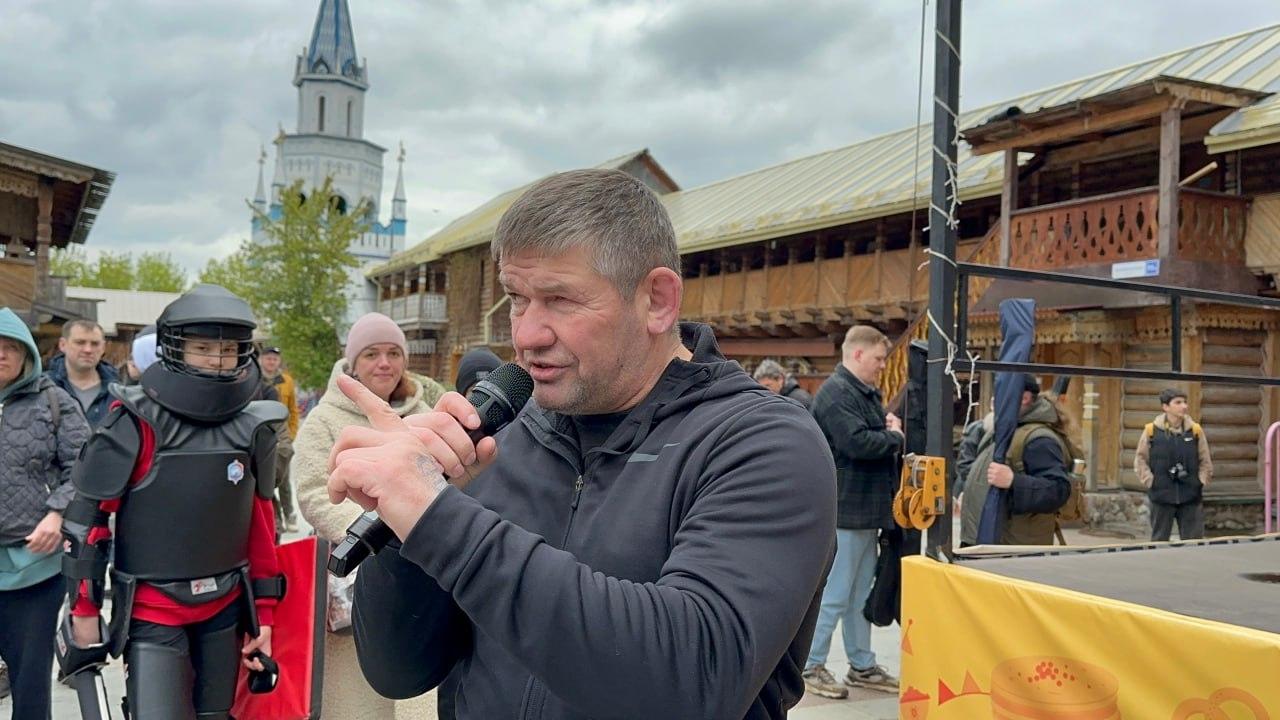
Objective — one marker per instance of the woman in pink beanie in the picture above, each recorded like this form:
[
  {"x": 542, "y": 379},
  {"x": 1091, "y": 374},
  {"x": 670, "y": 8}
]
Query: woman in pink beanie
[{"x": 376, "y": 355}]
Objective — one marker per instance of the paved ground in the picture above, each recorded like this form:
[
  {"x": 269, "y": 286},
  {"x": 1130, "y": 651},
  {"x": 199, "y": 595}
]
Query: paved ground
[{"x": 862, "y": 704}]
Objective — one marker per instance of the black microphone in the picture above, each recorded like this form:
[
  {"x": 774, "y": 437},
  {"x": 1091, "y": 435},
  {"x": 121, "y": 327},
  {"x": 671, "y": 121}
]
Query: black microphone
[{"x": 497, "y": 399}]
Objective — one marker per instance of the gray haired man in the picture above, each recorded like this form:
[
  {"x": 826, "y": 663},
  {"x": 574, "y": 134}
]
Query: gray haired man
[
  {"x": 770, "y": 374},
  {"x": 648, "y": 537}
]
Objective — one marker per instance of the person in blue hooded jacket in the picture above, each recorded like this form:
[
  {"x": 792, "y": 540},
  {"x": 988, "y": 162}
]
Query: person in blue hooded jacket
[
  {"x": 41, "y": 431},
  {"x": 78, "y": 368}
]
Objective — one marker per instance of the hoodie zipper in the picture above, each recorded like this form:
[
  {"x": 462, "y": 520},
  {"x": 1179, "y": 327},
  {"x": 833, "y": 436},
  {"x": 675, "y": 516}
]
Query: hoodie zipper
[{"x": 573, "y": 510}]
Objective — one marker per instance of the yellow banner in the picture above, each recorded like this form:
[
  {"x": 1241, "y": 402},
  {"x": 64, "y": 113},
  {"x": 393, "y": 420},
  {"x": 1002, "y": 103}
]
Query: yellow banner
[{"x": 977, "y": 645}]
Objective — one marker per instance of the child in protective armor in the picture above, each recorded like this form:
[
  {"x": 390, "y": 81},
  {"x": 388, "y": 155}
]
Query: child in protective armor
[{"x": 186, "y": 462}]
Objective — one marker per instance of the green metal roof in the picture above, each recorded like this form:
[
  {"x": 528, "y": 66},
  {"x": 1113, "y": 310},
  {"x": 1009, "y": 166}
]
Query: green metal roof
[{"x": 874, "y": 178}]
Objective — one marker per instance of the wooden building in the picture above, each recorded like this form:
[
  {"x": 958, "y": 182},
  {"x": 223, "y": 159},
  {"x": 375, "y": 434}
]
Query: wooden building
[
  {"x": 1175, "y": 159},
  {"x": 45, "y": 202}
]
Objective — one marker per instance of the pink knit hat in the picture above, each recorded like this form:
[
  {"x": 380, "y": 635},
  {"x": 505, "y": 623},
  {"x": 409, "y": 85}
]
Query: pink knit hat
[{"x": 372, "y": 329}]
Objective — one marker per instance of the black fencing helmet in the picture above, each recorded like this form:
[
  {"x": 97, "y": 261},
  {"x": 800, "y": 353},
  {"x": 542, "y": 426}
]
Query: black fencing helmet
[{"x": 206, "y": 312}]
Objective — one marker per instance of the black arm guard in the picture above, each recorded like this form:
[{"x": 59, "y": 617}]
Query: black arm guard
[
  {"x": 264, "y": 460},
  {"x": 83, "y": 561},
  {"x": 71, "y": 657}
]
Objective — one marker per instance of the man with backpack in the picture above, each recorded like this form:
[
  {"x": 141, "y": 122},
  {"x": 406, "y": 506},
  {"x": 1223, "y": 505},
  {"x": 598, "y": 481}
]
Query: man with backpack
[
  {"x": 1173, "y": 463},
  {"x": 1037, "y": 474}
]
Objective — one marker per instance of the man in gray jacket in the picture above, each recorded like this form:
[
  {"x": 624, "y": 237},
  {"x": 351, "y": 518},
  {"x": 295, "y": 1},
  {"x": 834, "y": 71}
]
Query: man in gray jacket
[{"x": 647, "y": 539}]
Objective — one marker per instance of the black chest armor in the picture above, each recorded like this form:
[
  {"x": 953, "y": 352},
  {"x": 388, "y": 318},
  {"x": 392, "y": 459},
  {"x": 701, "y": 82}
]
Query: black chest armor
[{"x": 190, "y": 516}]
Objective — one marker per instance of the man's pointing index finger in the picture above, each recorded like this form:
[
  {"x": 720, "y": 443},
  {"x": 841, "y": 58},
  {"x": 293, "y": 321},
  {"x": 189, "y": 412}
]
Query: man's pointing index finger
[{"x": 380, "y": 414}]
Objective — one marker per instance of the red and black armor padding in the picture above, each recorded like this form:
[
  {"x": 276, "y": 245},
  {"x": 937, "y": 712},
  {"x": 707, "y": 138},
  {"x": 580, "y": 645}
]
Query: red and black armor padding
[{"x": 297, "y": 639}]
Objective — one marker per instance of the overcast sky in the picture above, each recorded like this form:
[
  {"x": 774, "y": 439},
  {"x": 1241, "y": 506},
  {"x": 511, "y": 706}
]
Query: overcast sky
[{"x": 176, "y": 96}]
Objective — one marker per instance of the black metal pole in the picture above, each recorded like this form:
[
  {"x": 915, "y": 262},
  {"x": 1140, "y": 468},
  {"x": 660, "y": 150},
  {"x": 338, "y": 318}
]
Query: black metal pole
[{"x": 942, "y": 243}]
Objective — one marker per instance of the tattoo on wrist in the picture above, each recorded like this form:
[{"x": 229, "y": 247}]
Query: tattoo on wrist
[{"x": 431, "y": 472}]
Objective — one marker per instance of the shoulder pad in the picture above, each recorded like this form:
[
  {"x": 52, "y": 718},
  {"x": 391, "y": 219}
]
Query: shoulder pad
[
  {"x": 266, "y": 411},
  {"x": 108, "y": 457},
  {"x": 1150, "y": 429},
  {"x": 130, "y": 395},
  {"x": 1195, "y": 428}
]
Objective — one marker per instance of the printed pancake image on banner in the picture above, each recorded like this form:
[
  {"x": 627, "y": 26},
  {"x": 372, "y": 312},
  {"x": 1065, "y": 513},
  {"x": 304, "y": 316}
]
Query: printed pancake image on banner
[{"x": 1069, "y": 635}]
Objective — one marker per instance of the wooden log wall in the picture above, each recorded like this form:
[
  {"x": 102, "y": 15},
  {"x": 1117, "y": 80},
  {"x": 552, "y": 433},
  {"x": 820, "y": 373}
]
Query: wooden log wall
[{"x": 1232, "y": 415}]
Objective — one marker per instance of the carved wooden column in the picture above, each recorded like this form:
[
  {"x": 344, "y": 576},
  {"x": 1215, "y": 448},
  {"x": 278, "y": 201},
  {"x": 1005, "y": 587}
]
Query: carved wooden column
[
  {"x": 44, "y": 235},
  {"x": 1008, "y": 202},
  {"x": 1170, "y": 148}
]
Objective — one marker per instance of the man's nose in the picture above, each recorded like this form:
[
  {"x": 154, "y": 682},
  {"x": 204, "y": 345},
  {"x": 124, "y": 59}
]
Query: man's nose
[{"x": 530, "y": 330}]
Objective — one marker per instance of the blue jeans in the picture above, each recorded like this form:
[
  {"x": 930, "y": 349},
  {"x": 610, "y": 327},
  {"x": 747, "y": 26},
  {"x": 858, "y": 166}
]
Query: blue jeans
[{"x": 848, "y": 585}]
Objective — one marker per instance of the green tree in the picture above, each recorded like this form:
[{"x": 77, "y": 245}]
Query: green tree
[
  {"x": 114, "y": 270},
  {"x": 231, "y": 272},
  {"x": 159, "y": 272},
  {"x": 118, "y": 270},
  {"x": 297, "y": 279},
  {"x": 71, "y": 262}
]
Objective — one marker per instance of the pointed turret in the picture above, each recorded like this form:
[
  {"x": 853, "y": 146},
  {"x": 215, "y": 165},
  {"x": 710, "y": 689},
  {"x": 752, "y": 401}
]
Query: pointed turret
[
  {"x": 333, "y": 45},
  {"x": 398, "y": 200},
  {"x": 260, "y": 195}
]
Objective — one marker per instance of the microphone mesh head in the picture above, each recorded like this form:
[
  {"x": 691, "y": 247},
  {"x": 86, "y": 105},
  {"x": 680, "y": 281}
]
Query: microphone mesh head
[
  {"x": 515, "y": 382},
  {"x": 500, "y": 396}
]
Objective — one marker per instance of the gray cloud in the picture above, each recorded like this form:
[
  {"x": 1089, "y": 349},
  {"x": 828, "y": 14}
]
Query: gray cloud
[{"x": 176, "y": 97}]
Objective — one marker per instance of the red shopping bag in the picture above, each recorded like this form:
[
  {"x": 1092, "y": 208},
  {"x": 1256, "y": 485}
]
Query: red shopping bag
[{"x": 296, "y": 640}]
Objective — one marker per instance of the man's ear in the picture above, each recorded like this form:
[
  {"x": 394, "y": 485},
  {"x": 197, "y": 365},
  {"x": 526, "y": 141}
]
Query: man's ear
[
  {"x": 62, "y": 345},
  {"x": 660, "y": 293}
]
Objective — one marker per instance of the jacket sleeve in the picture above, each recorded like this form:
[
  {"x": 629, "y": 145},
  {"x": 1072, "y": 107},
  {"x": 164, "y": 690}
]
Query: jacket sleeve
[
  {"x": 409, "y": 632},
  {"x": 72, "y": 434},
  {"x": 967, "y": 453},
  {"x": 746, "y": 560},
  {"x": 1205, "y": 461},
  {"x": 289, "y": 396},
  {"x": 1142, "y": 460},
  {"x": 309, "y": 471},
  {"x": 1044, "y": 484},
  {"x": 852, "y": 437}
]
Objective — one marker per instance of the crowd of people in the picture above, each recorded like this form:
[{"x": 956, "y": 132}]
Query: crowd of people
[{"x": 657, "y": 530}]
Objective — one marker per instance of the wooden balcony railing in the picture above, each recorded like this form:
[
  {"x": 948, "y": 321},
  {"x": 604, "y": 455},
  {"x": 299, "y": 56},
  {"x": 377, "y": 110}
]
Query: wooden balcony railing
[
  {"x": 418, "y": 308},
  {"x": 1123, "y": 226},
  {"x": 1211, "y": 226},
  {"x": 1110, "y": 228},
  {"x": 885, "y": 279}
]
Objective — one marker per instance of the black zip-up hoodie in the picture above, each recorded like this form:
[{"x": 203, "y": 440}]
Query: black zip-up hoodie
[{"x": 676, "y": 573}]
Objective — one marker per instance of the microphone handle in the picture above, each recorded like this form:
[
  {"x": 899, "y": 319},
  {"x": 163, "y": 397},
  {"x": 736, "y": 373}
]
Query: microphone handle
[{"x": 368, "y": 534}]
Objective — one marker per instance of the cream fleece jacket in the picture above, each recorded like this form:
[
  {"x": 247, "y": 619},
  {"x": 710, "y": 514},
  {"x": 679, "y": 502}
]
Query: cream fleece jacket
[
  {"x": 347, "y": 694},
  {"x": 309, "y": 468}
]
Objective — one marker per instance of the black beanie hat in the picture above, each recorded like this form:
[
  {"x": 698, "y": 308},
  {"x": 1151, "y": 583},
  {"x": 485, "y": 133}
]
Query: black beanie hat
[{"x": 474, "y": 366}]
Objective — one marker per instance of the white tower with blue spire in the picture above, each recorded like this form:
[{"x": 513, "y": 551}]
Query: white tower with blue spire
[{"x": 329, "y": 142}]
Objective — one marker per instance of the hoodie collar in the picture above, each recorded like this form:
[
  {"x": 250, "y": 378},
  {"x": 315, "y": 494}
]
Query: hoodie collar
[
  {"x": 684, "y": 383},
  {"x": 58, "y": 370}
]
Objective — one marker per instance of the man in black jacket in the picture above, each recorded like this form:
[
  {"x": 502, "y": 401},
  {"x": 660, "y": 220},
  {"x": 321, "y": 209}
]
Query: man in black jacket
[
  {"x": 648, "y": 537},
  {"x": 866, "y": 443},
  {"x": 771, "y": 374}
]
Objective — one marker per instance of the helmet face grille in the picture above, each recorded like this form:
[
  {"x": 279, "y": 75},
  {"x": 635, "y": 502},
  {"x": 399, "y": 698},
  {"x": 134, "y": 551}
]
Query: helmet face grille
[{"x": 174, "y": 355}]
